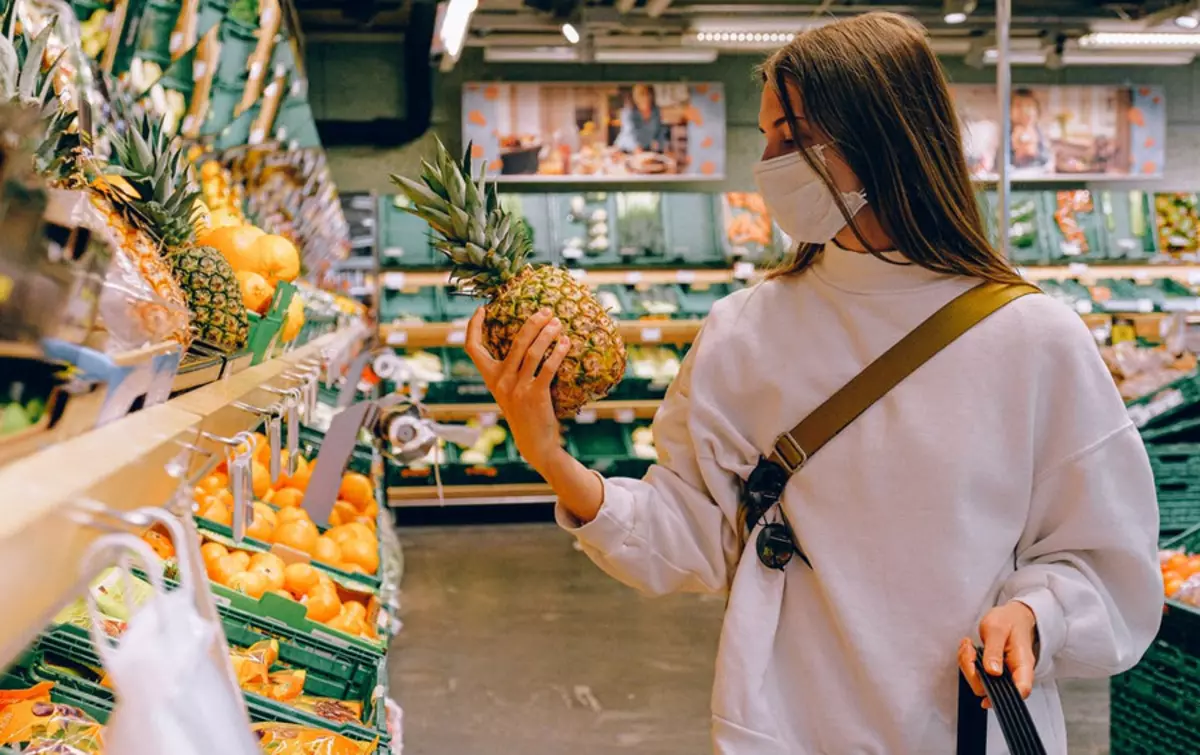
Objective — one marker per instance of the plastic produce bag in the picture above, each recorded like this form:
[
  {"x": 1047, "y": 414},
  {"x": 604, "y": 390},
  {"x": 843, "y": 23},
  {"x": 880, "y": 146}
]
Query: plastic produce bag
[
  {"x": 170, "y": 670},
  {"x": 133, "y": 313}
]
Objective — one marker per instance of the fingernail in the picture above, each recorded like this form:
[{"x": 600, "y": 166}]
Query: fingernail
[
  {"x": 556, "y": 322},
  {"x": 545, "y": 312},
  {"x": 564, "y": 341},
  {"x": 994, "y": 667}
]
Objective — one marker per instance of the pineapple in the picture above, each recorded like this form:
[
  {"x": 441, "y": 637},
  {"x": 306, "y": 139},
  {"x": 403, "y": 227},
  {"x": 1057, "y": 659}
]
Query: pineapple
[
  {"x": 487, "y": 248},
  {"x": 152, "y": 199}
]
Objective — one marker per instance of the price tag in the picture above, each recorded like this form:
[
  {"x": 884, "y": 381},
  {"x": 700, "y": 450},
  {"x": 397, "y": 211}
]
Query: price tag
[
  {"x": 586, "y": 417},
  {"x": 297, "y": 87},
  {"x": 651, "y": 335},
  {"x": 1193, "y": 276},
  {"x": 1077, "y": 269},
  {"x": 394, "y": 281},
  {"x": 1083, "y": 307},
  {"x": 176, "y": 41},
  {"x": 487, "y": 419},
  {"x": 743, "y": 270},
  {"x": 456, "y": 337},
  {"x": 281, "y": 134},
  {"x": 685, "y": 276},
  {"x": 257, "y": 136},
  {"x": 393, "y": 252},
  {"x": 1141, "y": 276},
  {"x": 189, "y": 122},
  {"x": 572, "y": 253},
  {"x": 633, "y": 277},
  {"x": 256, "y": 69},
  {"x": 578, "y": 273},
  {"x": 1145, "y": 306},
  {"x": 397, "y": 337},
  {"x": 199, "y": 68},
  {"x": 624, "y": 416}
]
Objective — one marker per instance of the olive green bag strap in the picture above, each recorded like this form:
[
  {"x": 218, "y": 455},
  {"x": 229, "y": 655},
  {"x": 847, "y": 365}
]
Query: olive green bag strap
[{"x": 793, "y": 449}]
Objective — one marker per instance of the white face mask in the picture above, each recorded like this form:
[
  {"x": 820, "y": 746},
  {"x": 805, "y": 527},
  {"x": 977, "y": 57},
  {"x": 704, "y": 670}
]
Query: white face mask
[{"x": 799, "y": 201}]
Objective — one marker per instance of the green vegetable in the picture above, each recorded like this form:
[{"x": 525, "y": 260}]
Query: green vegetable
[{"x": 14, "y": 419}]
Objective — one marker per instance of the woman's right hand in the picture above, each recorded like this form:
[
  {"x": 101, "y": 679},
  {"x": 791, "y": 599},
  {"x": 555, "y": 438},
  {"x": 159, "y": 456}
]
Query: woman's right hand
[{"x": 521, "y": 390}]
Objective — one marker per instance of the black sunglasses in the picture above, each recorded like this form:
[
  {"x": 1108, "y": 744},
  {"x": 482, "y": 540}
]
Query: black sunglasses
[{"x": 775, "y": 544}]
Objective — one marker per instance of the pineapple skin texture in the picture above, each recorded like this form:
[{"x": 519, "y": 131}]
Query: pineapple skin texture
[
  {"x": 214, "y": 297},
  {"x": 596, "y": 361}
]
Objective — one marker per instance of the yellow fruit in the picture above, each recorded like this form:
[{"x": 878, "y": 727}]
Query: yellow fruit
[
  {"x": 289, "y": 499},
  {"x": 213, "y": 483},
  {"x": 356, "y": 489},
  {"x": 343, "y": 513},
  {"x": 299, "y": 481},
  {"x": 283, "y": 594},
  {"x": 217, "y": 512},
  {"x": 210, "y": 170},
  {"x": 256, "y": 292},
  {"x": 159, "y": 543},
  {"x": 266, "y": 512},
  {"x": 293, "y": 320},
  {"x": 260, "y": 529},
  {"x": 327, "y": 551},
  {"x": 236, "y": 244},
  {"x": 270, "y": 567},
  {"x": 361, "y": 553},
  {"x": 250, "y": 583},
  {"x": 293, "y": 515},
  {"x": 322, "y": 606},
  {"x": 300, "y": 535},
  {"x": 116, "y": 184},
  {"x": 268, "y": 559},
  {"x": 210, "y": 552},
  {"x": 300, "y": 579},
  {"x": 242, "y": 559},
  {"x": 278, "y": 259},
  {"x": 260, "y": 479},
  {"x": 351, "y": 531}
]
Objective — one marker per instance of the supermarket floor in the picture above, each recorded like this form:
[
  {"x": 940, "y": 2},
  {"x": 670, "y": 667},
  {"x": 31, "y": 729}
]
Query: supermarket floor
[{"x": 514, "y": 643}]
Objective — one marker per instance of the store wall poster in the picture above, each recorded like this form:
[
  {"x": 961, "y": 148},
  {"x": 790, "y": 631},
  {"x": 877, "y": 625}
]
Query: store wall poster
[
  {"x": 644, "y": 131},
  {"x": 1066, "y": 132}
]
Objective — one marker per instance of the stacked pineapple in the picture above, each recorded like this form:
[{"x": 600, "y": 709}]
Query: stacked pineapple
[
  {"x": 149, "y": 199},
  {"x": 487, "y": 248}
]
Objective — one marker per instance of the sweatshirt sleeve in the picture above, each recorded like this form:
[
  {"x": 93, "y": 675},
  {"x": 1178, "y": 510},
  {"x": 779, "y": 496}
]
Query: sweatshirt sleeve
[
  {"x": 671, "y": 531},
  {"x": 1087, "y": 564}
]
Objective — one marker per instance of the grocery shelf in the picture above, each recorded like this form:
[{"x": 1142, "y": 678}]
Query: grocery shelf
[
  {"x": 1086, "y": 272},
  {"x": 622, "y": 411},
  {"x": 430, "y": 334},
  {"x": 472, "y": 495},
  {"x": 407, "y": 280},
  {"x": 139, "y": 460}
]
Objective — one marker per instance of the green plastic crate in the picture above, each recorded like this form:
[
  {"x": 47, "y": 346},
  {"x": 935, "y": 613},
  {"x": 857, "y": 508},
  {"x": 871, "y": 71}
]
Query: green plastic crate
[
  {"x": 237, "y": 45},
  {"x": 697, "y": 301},
  {"x": 404, "y": 239},
  {"x": 404, "y": 305},
  {"x": 454, "y": 307},
  {"x": 691, "y": 230},
  {"x": 1174, "y": 460},
  {"x": 67, "y": 693},
  {"x": 1167, "y": 405}
]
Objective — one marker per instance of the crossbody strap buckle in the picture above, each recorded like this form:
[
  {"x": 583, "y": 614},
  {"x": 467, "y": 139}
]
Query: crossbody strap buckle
[{"x": 789, "y": 454}]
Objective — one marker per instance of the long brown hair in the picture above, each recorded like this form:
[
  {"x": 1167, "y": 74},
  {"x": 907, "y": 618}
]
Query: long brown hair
[{"x": 875, "y": 86}]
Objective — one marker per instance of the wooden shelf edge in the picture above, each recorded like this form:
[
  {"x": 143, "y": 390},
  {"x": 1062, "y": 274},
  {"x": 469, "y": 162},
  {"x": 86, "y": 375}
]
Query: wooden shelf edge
[
  {"x": 1083, "y": 271},
  {"x": 471, "y": 495},
  {"x": 433, "y": 334},
  {"x": 639, "y": 409},
  {"x": 402, "y": 280}
]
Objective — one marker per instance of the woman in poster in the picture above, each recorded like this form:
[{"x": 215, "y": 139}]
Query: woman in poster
[
  {"x": 642, "y": 127},
  {"x": 1030, "y": 148}
]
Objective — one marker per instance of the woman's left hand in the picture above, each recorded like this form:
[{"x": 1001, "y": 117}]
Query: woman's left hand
[{"x": 1008, "y": 633}]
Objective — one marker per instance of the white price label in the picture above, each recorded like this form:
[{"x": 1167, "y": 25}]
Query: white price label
[
  {"x": 685, "y": 276},
  {"x": 578, "y": 274},
  {"x": 1083, "y": 307},
  {"x": 281, "y": 134},
  {"x": 1193, "y": 276},
  {"x": 199, "y": 68},
  {"x": 624, "y": 416},
  {"x": 256, "y": 69},
  {"x": 1077, "y": 268},
  {"x": 393, "y": 251},
  {"x": 586, "y": 417},
  {"x": 1141, "y": 276},
  {"x": 1145, "y": 306},
  {"x": 633, "y": 277},
  {"x": 176, "y": 41},
  {"x": 572, "y": 253},
  {"x": 456, "y": 337},
  {"x": 397, "y": 337},
  {"x": 487, "y": 419},
  {"x": 257, "y": 136},
  {"x": 394, "y": 281},
  {"x": 743, "y": 270},
  {"x": 651, "y": 335}
]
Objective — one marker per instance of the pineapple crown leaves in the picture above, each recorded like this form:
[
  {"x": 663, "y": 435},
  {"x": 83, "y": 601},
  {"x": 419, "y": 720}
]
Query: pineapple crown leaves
[
  {"x": 21, "y": 74},
  {"x": 159, "y": 173},
  {"x": 485, "y": 243}
]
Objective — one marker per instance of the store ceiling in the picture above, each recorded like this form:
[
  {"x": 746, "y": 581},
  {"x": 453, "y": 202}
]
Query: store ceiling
[{"x": 676, "y": 30}]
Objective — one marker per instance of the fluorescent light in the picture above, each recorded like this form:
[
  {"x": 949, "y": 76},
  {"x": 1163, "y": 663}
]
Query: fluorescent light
[
  {"x": 1095, "y": 58},
  {"x": 955, "y": 18},
  {"x": 1146, "y": 40},
  {"x": 571, "y": 33},
  {"x": 530, "y": 55},
  {"x": 455, "y": 25},
  {"x": 956, "y": 11},
  {"x": 665, "y": 55}
]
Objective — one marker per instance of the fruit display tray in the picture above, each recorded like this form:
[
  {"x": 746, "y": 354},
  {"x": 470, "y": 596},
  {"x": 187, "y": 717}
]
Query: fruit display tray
[{"x": 1154, "y": 708}]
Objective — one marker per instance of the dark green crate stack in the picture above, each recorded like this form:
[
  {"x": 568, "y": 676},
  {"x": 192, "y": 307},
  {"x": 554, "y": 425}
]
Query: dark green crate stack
[
  {"x": 1154, "y": 706},
  {"x": 1169, "y": 420}
]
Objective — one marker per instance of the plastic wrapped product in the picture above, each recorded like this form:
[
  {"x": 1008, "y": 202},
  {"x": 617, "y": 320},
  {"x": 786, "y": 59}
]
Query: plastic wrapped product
[{"x": 291, "y": 739}]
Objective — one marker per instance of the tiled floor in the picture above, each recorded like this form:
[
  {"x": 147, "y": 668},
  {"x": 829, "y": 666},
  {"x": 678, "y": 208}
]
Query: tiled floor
[{"x": 514, "y": 644}]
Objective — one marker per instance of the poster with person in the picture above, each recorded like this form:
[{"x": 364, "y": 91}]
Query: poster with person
[
  {"x": 603, "y": 132},
  {"x": 1066, "y": 132}
]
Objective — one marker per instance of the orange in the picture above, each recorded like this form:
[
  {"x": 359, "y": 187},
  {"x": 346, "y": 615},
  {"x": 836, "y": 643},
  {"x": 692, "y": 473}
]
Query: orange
[
  {"x": 1172, "y": 586},
  {"x": 293, "y": 515},
  {"x": 293, "y": 319},
  {"x": 286, "y": 498},
  {"x": 266, "y": 512},
  {"x": 284, "y": 594},
  {"x": 298, "y": 480},
  {"x": 260, "y": 479},
  {"x": 219, "y": 513},
  {"x": 277, "y": 258},
  {"x": 160, "y": 543},
  {"x": 267, "y": 559},
  {"x": 322, "y": 606},
  {"x": 366, "y": 521},
  {"x": 242, "y": 559},
  {"x": 351, "y": 531},
  {"x": 272, "y": 574},
  {"x": 361, "y": 553},
  {"x": 327, "y": 551},
  {"x": 260, "y": 529},
  {"x": 262, "y": 449},
  {"x": 223, "y": 569},
  {"x": 371, "y": 510},
  {"x": 256, "y": 292},
  {"x": 342, "y": 623},
  {"x": 250, "y": 583},
  {"x": 236, "y": 244},
  {"x": 354, "y": 610},
  {"x": 214, "y": 482},
  {"x": 210, "y": 552},
  {"x": 300, "y": 535},
  {"x": 356, "y": 489},
  {"x": 225, "y": 496},
  {"x": 343, "y": 512},
  {"x": 300, "y": 579}
]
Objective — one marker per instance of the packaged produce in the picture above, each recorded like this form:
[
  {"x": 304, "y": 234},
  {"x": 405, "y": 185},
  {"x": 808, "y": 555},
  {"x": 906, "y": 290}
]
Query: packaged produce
[
  {"x": 292, "y": 739},
  {"x": 29, "y": 717},
  {"x": 252, "y": 665},
  {"x": 1178, "y": 218},
  {"x": 1141, "y": 371},
  {"x": 1181, "y": 575}
]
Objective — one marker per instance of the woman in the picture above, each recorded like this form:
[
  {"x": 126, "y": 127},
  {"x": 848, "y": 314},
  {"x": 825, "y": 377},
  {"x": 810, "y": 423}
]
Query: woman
[
  {"x": 642, "y": 127},
  {"x": 999, "y": 493}
]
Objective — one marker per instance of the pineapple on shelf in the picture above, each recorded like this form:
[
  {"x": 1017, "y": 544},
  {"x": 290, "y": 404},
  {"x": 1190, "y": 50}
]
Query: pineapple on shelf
[
  {"x": 487, "y": 248},
  {"x": 152, "y": 199}
]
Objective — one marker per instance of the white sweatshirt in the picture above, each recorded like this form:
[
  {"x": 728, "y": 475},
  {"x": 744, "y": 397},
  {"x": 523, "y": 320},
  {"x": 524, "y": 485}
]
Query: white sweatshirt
[{"x": 1005, "y": 468}]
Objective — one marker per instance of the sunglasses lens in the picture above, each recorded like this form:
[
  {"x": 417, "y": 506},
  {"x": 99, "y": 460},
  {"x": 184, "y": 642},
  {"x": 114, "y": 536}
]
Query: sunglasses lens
[{"x": 775, "y": 546}]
